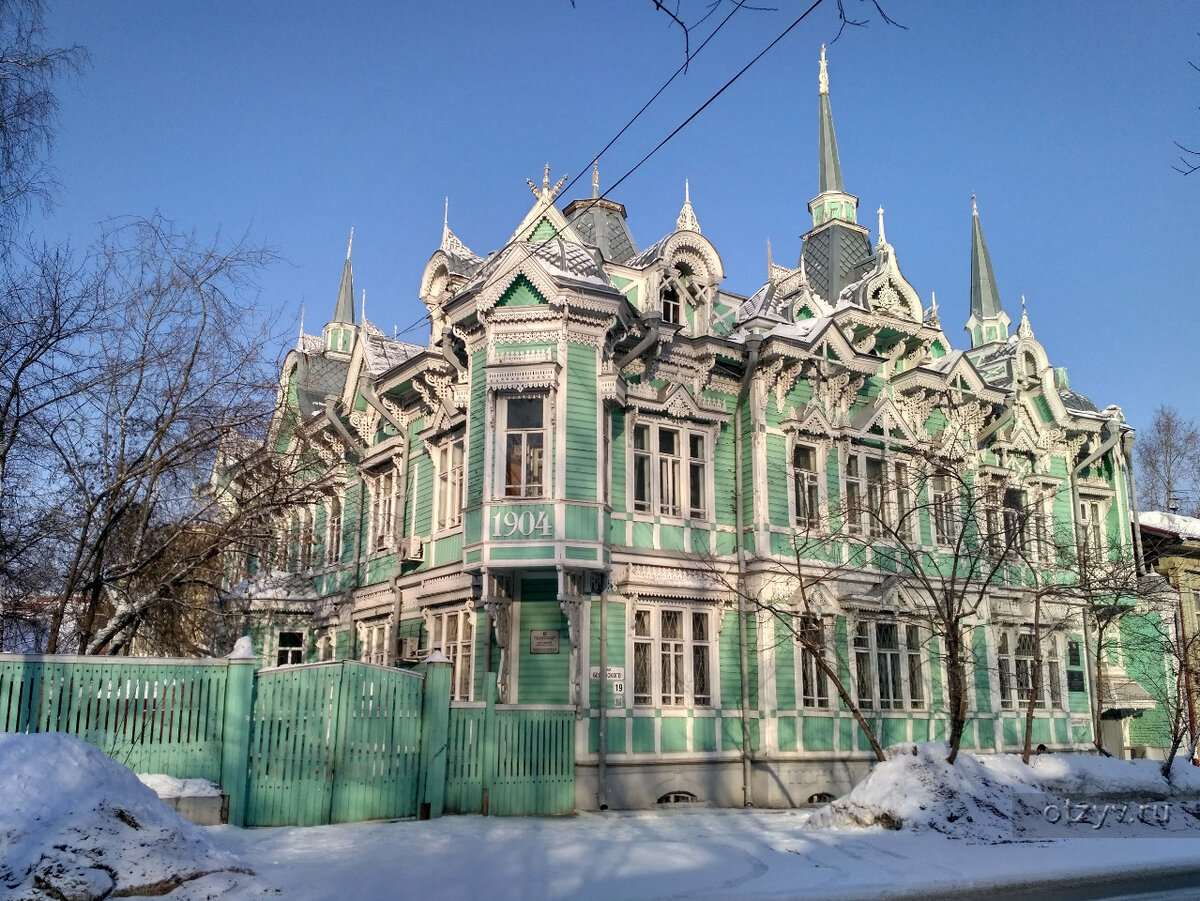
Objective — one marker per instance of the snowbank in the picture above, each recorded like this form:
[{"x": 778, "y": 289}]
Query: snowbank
[
  {"x": 999, "y": 798},
  {"x": 76, "y": 824}
]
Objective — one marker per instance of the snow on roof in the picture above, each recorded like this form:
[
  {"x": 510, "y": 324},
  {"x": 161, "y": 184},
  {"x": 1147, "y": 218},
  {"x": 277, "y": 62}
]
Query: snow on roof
[{"x": 1172, "y": 523}]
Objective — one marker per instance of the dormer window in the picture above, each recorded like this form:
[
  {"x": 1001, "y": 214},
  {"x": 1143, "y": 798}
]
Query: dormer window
[{"x": 671, "y": 311}]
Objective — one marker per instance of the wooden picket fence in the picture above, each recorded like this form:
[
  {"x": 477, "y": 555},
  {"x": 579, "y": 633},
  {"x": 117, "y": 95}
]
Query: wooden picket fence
[
  {"x": 303, "y": 745},
  {"x": 510, "y": 760},
  {"x": 334, "y": 743}
]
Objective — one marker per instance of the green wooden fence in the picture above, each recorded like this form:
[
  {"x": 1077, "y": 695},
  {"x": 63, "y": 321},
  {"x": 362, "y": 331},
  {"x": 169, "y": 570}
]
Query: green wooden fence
[
  {"x": 334, "y": 743},
  {"x": 509, "y": 760},
  {"x": 320, "y": 743},
  {"x": 165, "y": 716}
]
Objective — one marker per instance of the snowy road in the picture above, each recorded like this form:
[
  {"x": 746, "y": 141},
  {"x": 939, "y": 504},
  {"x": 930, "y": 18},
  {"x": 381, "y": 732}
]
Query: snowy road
[{"x": 653, "y": 856}]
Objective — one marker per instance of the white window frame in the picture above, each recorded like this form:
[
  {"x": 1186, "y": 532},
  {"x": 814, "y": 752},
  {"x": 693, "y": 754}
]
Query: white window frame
[
  {"x": 374, "y": 642},
  {"x": 677, "y": 485},
  {"x": 1015, "y": 651},
  {"x": 306, "y": 538},
  {"x": 290, "y": 655},
  {"x": 812, "y": 682},
  {"x": 334, "y": 512},
  {"x": 524, "y": 486},
  {"x": 943, "y": 498},
  {"x": 448, "y": 501},
  {"x": 383, "y": 490},
  {"x": 902, "y": 669},
  {"x": 452, "y": 631},
  {"x": 673, "y": 667},
  {"x": 1092, "y": 520},
  {"x": 884, "y": 493},
  {"x": 806, "y": 495}
]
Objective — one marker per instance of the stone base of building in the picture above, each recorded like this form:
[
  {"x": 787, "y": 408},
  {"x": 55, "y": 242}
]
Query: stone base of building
[{"x": 642, "y": 785}]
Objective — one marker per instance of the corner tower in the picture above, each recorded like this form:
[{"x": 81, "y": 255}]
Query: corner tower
[{"x": 837, "y": 250}]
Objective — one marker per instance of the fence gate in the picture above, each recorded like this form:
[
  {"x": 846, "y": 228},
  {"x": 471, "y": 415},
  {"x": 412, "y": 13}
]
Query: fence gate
[
  {"x": 334, "y": 743},
  {"x": 510, "y": 761}
]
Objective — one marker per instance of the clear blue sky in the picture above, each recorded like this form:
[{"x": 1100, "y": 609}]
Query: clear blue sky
[{"x": 296, "y": 121}]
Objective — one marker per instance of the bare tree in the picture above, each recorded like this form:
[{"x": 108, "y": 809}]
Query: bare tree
[
  {"x": 176, "y": 367},
  {"x": 28, "y": 107},
  {"x": 1168, "y": 456}
]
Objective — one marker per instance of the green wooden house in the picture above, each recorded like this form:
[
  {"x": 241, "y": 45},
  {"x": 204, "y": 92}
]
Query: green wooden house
[{"x": 610, "y": 483}]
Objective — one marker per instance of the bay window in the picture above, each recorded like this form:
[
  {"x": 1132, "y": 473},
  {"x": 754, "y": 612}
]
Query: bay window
[{"x": 524, "y": 447}]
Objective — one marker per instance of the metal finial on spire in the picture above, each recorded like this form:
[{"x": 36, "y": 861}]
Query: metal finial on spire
[
  {"x": 770, "y": 262},
  {"x": 446, "y": 215},
  {"x": 882, "y": 233},
  {"x": 974, "y": 205},
  {"x": 596, "y": 177},
  {"x": 823, "y": 78},
  {"x": 546, "y": 179},
  {"x": 364, "y": 305},
  {"x": 934, "y": 319},
  {"x": 300, "y": 340},
  {"x": 351, "y": 244},
  {"x": 1024, "y": 330}
]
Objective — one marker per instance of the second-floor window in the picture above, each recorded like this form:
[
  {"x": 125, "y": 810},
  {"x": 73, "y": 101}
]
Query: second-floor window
[
  {"x": 333, "y": 532},
  {"x": 450, "y": 484},
  {"x": 524, "y": 447},
  {"x": 806, "y": 495},
  {"x": 1091, "y": 528},
  {"x": 383, "y": 511},
  {"x": 670, "y": 471}
]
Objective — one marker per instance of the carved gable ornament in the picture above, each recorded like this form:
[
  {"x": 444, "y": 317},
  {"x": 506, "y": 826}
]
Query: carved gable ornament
[
  {"x": 888, "y": 293},
  {"x": 885, "y": 418},
  {"x": 514, "y": 263},
  {"x": 675, "y": 401}
]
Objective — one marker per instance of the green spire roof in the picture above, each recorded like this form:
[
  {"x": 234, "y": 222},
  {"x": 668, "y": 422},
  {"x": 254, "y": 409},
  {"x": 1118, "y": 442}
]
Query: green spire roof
[
  {"x": 344, "y": 311},
  {"x": 985, "y": 299},
  {"x": 831, "y": 168}
]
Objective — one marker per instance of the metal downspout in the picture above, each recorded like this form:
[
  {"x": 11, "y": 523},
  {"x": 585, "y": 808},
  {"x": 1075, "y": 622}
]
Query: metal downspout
[
  {"x": 753, "y": 344},
  {"x": 1135, "y": 515},
  {"x": 602, "y": 747},
  {"x": 653, "y": 319}
]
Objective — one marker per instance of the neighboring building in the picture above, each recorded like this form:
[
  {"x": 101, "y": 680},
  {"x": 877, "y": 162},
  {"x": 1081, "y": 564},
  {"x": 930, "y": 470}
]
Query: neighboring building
[
  {"x": 1171, "y": 544},
  {"x": 551, "y": 492}
]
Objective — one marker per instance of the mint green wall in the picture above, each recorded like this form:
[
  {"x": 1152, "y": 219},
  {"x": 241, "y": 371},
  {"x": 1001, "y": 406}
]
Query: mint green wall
[
  {"x": 476, "y": 437},
  {"x": 543, "y": 678},
  {"x": 582, "y": 446},
  {"x": 777, "y": 480},
  {"x": 616, "y": 424}
]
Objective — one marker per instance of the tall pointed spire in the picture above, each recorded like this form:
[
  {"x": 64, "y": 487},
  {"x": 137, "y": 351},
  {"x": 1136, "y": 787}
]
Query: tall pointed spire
[
  {"x": 344, "y": 310},
  {"x": 832, "y": 201},
  {"x": 687, "y": 217},
  {"x": 988, "y": 320}
]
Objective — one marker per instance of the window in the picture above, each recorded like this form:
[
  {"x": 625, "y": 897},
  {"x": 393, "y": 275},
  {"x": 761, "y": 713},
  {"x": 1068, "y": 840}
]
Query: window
[
  {"x": 306, "y": 539},
  {"x": 524, "y": 447},
  {"x": 881, "y": 493},
  {"x": 806, "y": 497},
  {"x": 453, "y": 633},
  {"x": 814, "y": 683},
  {"x": 888, "y": 666},
  {"x": 672, "y": 312},
  {"x": 333, "y": 532},
  {"x": 660, "y": 481},
  {"x": 1091, "y": 528},
  {"x": 942, "y": 503},
  {"x": 450, "y": 484},
  {"x": 854, "y": 496},
  {"x": 383, "y": 511},
  {"x": 1017, "y": 663},
  {"x": 672, "y": 654},
  {"x": 325, "y": 648},
  {"x": 1015, "y": 502},
  {"x": 290, "y": 650}
]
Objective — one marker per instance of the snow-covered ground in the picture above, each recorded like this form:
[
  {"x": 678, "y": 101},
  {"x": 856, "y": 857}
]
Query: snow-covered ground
[{"x": 68, "y": 811}]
